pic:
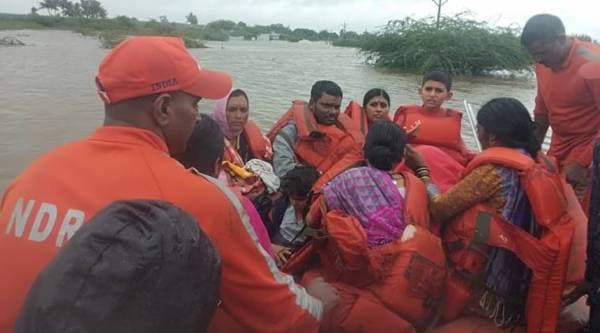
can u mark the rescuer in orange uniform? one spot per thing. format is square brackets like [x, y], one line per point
[565, 101]
[151, 87]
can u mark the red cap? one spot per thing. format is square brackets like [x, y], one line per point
[590, 70]
[146, 65]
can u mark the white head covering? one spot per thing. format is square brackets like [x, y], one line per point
[265, 172]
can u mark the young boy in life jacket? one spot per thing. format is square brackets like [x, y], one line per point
[296, 185]
[438, 126]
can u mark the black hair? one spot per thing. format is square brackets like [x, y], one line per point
[384, 145]
[238, 92]
[322, 87]
[138, 263]
[374, 93]
[438, 76]
[205, 146]
[542, 27]
[299, 181]
[509, 121]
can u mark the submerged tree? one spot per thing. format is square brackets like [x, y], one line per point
[192, 19]
[439, 4]
[458, 46]
[222, 25]
[92, 9]
[51, 6]
[69, 8]
[85, 8]
[586, 38]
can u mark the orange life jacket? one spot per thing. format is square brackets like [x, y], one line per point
[436, 129]
[468, 238]
[350, 160]
[318, 145]
[404, 277]
[359, 118]
[259, 145]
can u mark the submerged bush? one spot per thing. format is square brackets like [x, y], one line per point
[458, 46]
[352, 39]
[192, 43]
[110, 39]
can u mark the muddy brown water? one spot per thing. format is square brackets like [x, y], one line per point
[48, 94]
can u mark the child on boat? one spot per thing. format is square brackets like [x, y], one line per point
[295, 186]
[439, 126]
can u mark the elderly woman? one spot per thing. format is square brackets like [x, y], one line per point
[375, 221]
[373, 193]
[243, 139]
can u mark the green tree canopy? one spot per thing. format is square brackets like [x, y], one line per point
[51, 6]
[458, 46]
[301, 33]
[279, 28]
[224, 25]
[69, 8]
[92, 9]
[326, 35]
[192, 19]
[125, 22]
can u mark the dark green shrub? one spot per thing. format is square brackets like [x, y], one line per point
[459, 46]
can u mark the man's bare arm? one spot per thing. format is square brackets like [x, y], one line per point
[541, 119]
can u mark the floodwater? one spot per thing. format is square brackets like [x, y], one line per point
[48, 94]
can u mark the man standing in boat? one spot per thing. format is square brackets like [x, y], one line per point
[591, 71]
[315, 133]
[565, 101]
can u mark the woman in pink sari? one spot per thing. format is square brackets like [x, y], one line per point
[373, 193]
[243, 138]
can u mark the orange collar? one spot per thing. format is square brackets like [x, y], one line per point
[439, 111]
[129, 135]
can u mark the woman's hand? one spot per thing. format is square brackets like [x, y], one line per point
[413, 159]
[325, 292]
[412, 130]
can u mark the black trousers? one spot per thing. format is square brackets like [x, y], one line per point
[594, 303]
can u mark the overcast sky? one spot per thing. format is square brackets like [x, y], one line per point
[579, 16]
